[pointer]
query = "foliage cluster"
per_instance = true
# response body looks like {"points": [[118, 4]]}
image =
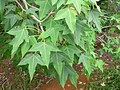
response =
{"points": [[52, 35], [110, 78]]}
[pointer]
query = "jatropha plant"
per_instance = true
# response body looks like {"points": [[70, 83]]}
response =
{"points": [[53, 34]]}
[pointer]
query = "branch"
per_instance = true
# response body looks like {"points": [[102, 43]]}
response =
{"points": [[109, 26], [49, 14], [25, 3], [33, 7], [33, 17], [36, 19], [20, 5]]}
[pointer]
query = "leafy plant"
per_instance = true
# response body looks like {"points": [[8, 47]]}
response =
{"points": [[52, 33]]}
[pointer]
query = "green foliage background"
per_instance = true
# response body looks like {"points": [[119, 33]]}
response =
{"points": [[54, 34]]}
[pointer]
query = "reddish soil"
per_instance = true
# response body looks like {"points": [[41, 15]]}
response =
{"points": [[8, 75], [54, 85]]}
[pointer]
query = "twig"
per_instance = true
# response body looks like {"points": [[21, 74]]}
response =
{"points": [[25, 3], [109, 26], [26, 6], [50, 80], [100, 38], [39, 83], [20, 5], [33, 6], [49, 14], [33, 17]]}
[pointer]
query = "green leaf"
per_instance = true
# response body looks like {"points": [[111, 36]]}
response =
{"points": [[52, 33], [20, 35], [71, 50], [94, 17], [31, 11], [79, 35], [24, 48], [68, 71], [84, 59], [64, 77], [60, 3], [69, 38], [95, 3], [66, 31], [51, 23], [13, 18], [69, 16], [2, 6], [10, 8], [72, 74], [57, 59], [73, 79], [99, 64], [76, 3], [45, 6], [52, 30], [54, 2], [32, 60], [45, 51], [32, 40]]}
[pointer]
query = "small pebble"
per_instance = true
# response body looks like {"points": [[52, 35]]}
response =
{"points": [[79, 82], [68, 85]]}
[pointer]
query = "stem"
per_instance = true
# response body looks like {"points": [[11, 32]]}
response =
{"points": [[33, 7], [49, 14], [25, 3], [20, 5], [26, 6], [109, 26]]}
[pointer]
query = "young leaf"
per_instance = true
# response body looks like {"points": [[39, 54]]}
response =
{"points": [[60, 3], [94, 17], [2, 6], [69, 38], [52, 29], [13, 18], [64, 77], [68, 70], [24, 48], [99, 64], [79, 34], [31, 11], [72, 74], [76, 3], [52, 33], [10, 8], [51, 23], [69, 16], [20, 35], [32, 40], [57, 59], [73, 79], [84, 59], [71, 50], [54, 2], [45, 6], [32, 60], [45, 51]]}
